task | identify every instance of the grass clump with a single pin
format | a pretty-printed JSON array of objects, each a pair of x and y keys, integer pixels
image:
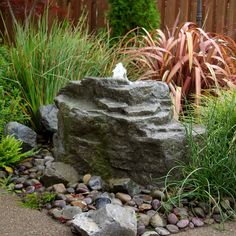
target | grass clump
[
  {"x": 210, "y": 173},
  {"x": 38, "y": 200},
  {"x": 44, "y": 59}
]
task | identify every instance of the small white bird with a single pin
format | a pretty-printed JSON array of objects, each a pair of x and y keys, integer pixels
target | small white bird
[{"x": 120, "y": 72}]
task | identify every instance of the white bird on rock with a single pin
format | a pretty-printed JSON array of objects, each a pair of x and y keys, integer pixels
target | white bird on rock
[{"x": 120, "y": 72}]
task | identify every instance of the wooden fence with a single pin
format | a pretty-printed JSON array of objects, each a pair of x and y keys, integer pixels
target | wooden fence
[{"x": 219, "y": 15}]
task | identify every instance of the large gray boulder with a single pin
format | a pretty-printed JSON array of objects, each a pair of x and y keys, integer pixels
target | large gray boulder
[
  {"x": 48, "y": 117},
  {"x": 23, "y": 133},
  {"x": 117, "y": 128},
  {"x": 111, "y": 220}
]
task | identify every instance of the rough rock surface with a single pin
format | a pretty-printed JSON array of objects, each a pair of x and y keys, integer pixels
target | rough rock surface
[
  {"x": 117, "y": 128},
  {"x": 22, "y": 133},
  {"x": 110, "y": 221},
  {"x": 59, "y": 172},
  {"x": 48, "y": 117}
]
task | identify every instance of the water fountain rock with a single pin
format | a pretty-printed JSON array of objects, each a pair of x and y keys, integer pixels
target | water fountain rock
[{"x": 117, "y": 128}]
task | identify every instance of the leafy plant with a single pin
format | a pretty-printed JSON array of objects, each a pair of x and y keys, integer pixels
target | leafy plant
[
  {"x": 10, "y": 152},
  {"x": 209, "y": 175},
  {"x": 45, "y": 61},
  {"x": 125, "y": 15},
  {"x": 188, "y": 59},
  {"x": 38, "y": 200}
]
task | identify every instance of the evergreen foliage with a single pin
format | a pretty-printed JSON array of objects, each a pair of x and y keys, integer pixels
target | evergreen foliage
[{"x": 125, "y": 15}]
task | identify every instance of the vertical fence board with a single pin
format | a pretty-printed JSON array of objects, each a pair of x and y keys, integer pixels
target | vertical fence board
[
  {"x": 232, "y": 19},
  {"x": 221, "y": 7},
  {"x": 184, "y": 10},
  {"x": 161, "y": 4},
  {"x": 209, "y": 15},
  {"x": 170, "y": 11}
]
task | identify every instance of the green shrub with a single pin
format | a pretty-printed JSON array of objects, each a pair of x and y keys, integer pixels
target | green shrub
[
  {"x": 210, "y": 173},
  {"x": 43, "y": 62},
  {"x": 10, "y": 152},
  {"x": 125, "y": 15}
]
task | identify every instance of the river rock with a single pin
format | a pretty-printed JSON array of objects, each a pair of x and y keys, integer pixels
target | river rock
[
  {"x": 95, "y": 183},
  {"x": 124, "y": 185},
  {"x": 118, "y": 128},
  {"x": 150, "y": 233},
  {"x": 172, "y": 228},
  {"x": 183, "y": 223},
  {"x": 197, "y": 222},
  {"x": 23, "y": 133},
  {"x": 172, "y": 218},
  {"x": 69, "y": 212},
  {"x": 48, "y": 117},
  {"x": 109, "y": 220},
  {"x": 162, "y": 231},
  {"x": 157, "y": 220},
  {"x": 59, "y": 172}
]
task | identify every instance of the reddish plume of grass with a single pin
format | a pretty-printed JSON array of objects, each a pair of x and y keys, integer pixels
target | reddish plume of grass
[{"x": 188, "y": 59}]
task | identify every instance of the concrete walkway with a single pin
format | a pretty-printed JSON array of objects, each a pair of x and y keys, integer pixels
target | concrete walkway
[{"x": 18, "y": 221}]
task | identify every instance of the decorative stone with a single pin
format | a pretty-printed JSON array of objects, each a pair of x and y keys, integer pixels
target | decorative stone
[
  {"x": 124, "y": 185},
  {"x": 143, "y": 219},
  {"x": 150, "y": 233},
  {"x": 30, "y": 189},
  {"x": 59, "y": 188},
  {"x": 56, "y": 213},
  {"x": 48, "y": 117},
  {"x": 86, "y": 178},
  {"x": 191, "y": 225},
  {"x": 162, "y": 231},
  {"x": 197, "y": 222},
  {"x": 109, "y": 220},
  {"x": 123, "y": 197},
  {"x": 95, "y": 183},
  {"x": 116, "y": 201},
  {"x": 59, "y": 172},
  {"x": 102, "y": 202},
  {"x": 23, "y": 133},
  {"x": 140, "y": 230},
  {"x": 82, "y": 188},
  {"x": 157, "y": 221},
  {"x": 79, "y": 203},
  {"x": 69, "y": 212},
  {"x": 145, "y": 207},
  {"x": 198, "y": 211},
  {"x": 156, "y": 204},
  {"x": 172, "y": 228},
  {"x": 18, "y": 186},
  {"x": 183, "y": 223},
  {"x": 172, "y": 219},
  {"x": 157, "y": 194},
  {"x": 181, "y": 212},
  {"x": 59, "y": 203},
  {"x": 95, "y": 113}
]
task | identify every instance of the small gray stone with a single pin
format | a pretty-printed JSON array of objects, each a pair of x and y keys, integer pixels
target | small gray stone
[
  {"x": 59, "y": 203},
  {"x": 172, "y": 228},
  {"x": 116, "y": 201},
  {"x": 48, "y": 158},
  {"x": 191, "y": 225},
  {"x": 123, "y": 197},
  {"x": 70, "y": 190},
  {"x": 81, "y": 188},
  {"x": 157, "y": 221},
  {"x": 18, "y": 186},
  {"x": 183, "y": 223},
  {"x": 56, "y": 213},
  {"x": 39, "y": 162},
  {"x": 30, "y": 189},
  {"x": 22, "y": 133},
  {"x": 124, "y": 185},
  {"x": 59, "y": 172},
  {"x": 140, "y": 230},
  {"x": 69, "y": 212},
  {"x": 48, "y": 117},
  {"x": 95, "y": 183},
  {"x": 198, "y": 211},
  {"x": 162, "y": 231},
  {"x": 143, "y": 219},
  {"x": 156, "y": 204},
  {"x": 197, "y": 222},
  {"x": 59, "y": 188},
  {"x": 150, "y": 233},
  {"x": 157, "y": 194},
  {"x": 172, "y": 219},
  {"x": 101, "y": 202}
]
